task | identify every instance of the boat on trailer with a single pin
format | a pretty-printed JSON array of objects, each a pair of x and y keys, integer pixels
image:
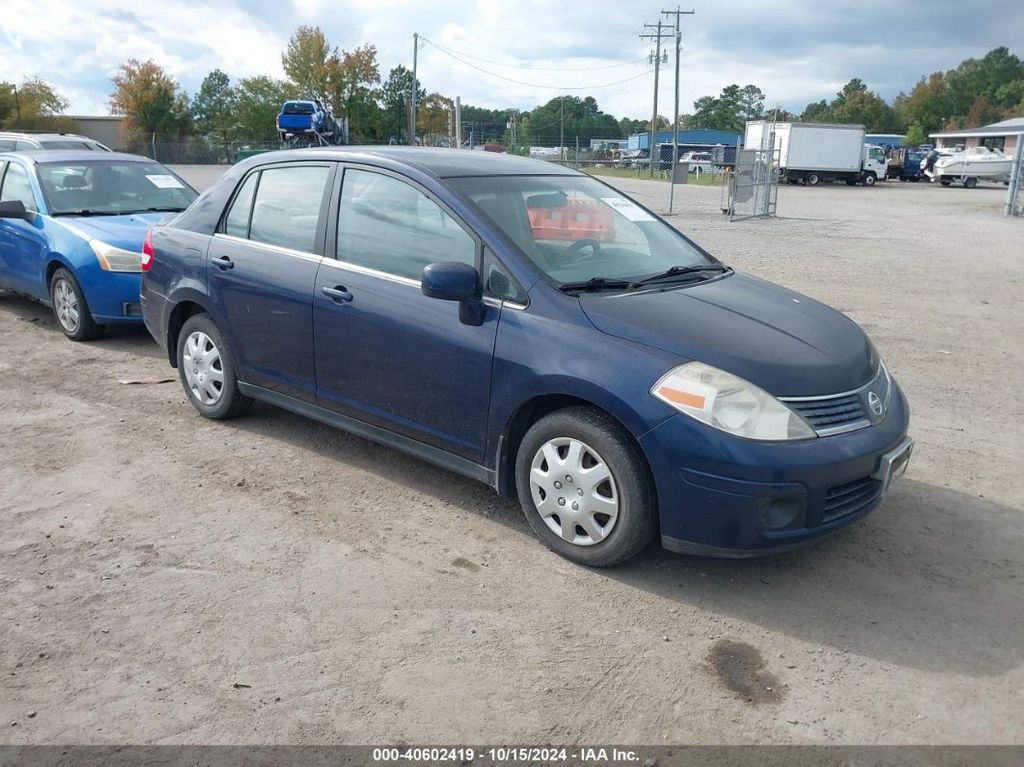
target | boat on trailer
[{"x": 978, "y": 162}]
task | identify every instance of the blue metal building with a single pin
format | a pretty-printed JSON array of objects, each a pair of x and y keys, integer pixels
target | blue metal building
[
  {"x": 884, "y": 139},
  {"x": 726, "y": 137}
]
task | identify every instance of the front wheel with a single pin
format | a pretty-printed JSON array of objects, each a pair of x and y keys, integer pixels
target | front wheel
[
  {"x": 870, "y": 179},
  {"x": 585, "y": 488},
  {"x": 207, "y": 370},
  {"x": 71, "y": 308}
]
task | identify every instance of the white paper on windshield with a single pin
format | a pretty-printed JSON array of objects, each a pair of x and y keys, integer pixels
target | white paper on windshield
[
  {"x": 165, "y": 182},
  {"x": 630, "y": 210}
]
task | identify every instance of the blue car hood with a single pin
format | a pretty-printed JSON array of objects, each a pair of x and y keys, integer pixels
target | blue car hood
[
  {"x": 126, "y": 232},
  {"x": 786, "y": 343}
]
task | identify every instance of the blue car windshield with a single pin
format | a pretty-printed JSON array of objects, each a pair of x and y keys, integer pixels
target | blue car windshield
[
  {"x": 111, "y": 187},
  {"x": 575, "y": 228}
]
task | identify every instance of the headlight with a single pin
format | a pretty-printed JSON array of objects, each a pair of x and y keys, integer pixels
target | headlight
[
  {"x": 116, "y": 259},
  {"x": 730, "y": 404}
]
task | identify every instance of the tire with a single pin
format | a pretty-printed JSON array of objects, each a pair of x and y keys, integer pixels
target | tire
[
  {"x": 616, "y": 508},
  {"x": 945, "y": 182},
  {"x": 812, "y": 179},
  {"x": 209, "y": 380},
  {"x": 71, "y": 309},
  {"x": 870, "y": 179},
  {"x": 851, "y": 182},
  {"x": 970, "y": 182}
]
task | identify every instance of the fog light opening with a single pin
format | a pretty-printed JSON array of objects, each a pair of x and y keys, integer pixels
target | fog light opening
[{"x": 783, "y": 514}]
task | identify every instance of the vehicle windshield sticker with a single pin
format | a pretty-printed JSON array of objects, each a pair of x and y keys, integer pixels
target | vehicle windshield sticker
[
  {"x": 165, "y": 182},
  {"x": 630, "y": 210}
]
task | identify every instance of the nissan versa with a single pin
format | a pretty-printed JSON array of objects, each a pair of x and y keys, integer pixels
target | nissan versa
[{"x": 530, "y": 327}]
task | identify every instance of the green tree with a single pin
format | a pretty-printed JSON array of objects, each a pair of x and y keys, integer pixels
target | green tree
[
  {"x": 394, "y": 96},
  {"x": 352, "y": 78},
  {"x": 581, "y": 117},
  {"x": 33, "y": 105},
  {"x": 153, "y": 105},
  {"x": 306, "y": 62},
  {"x": 257, "y": 103},
  {"x": 730, "y": 110},
  {"x": 213, "y": 106},
  {"x": 915, "y": 135}
]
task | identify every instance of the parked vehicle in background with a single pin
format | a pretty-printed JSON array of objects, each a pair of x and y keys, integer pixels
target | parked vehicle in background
[
  {"x": 810, "y": 153},
  {"x": 635, "y": 158},
  {"x": 969, "y": 166},
  {"x": 311, "y": 122},
  {"x": 905, "y": 163},
  {"x": 699, "y": 162},
  {"x": 72, "y": 225},
  {"x": 529, "y": 326},
  {"x": 29, "y": 142}
]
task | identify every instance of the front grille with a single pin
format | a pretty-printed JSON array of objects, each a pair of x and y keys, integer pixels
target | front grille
[
  {"x": 836, "y": 413},
  {"x": 850, "y": 497},
  {"x": 831, "y": 413}
]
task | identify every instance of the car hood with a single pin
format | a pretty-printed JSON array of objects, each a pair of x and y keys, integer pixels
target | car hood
[
  {"x": 126, "y": 231},
  {"x": 786, "y": 343}
]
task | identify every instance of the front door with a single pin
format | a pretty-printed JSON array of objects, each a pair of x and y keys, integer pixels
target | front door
[
  {"x": 262, "y": 270},
  {"x": 22, "y": 244},
  {"x": 385, "y": 353}
]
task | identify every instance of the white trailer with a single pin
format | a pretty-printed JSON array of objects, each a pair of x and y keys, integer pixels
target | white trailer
[{"x": 810, "y": 153}]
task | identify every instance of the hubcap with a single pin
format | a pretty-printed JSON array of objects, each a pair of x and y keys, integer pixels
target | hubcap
[
  {"x": 65, "y": 304},
  {"x": 204, "y": 371},
  {"x": 574, "y": 491}
]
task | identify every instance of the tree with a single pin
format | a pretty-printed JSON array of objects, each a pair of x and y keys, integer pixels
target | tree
[
  {"x": 855, "y": 104},
  {"x": 915, "y": 135},
  {"x": 394, "y": 95},
  {"x": 730, "y": 110},
  {"x": 213, "y": 106},
  {"x": 305, "y": 61},
  {"x": 150, "y": 100},
  {"x": 432, "y": 117},
  {"x": 580, "y": 117},
  {"x": 33, "y": 105},
  {"x": 257, "y": 103},
  {"x": 351, "y": 80}
]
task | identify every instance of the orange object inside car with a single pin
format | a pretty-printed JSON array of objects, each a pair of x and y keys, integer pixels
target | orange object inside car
[{"x": 576, "y": 220}]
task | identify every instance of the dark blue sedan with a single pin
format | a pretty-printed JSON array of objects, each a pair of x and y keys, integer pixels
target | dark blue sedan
[
  {"x": 72, "y": 225},
  {"x": 533, "y": 328}
]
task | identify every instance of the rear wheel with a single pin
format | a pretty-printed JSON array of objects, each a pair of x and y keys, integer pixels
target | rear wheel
[
  {"x": 812, "y": 179},
  {"x": 585, "y": 488},
  {"x": 970, "y": 182},
  {"x": 207, "y": 370},
  {"x": 71, "y": 308}
]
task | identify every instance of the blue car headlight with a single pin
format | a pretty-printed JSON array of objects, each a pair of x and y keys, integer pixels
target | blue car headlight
[
  {"x": 114, "y": 259},
  {"x": 730, "y": 404}
]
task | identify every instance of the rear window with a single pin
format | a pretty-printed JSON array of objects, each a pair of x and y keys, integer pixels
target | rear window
[
  {"x": 295, "y": 108},
  {"x": 70, "y": 144}
]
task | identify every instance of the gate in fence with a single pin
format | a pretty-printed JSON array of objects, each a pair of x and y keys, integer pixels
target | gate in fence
[
  {"x": 752, "y": 189},
  {"x": 1015, "y": 194}
]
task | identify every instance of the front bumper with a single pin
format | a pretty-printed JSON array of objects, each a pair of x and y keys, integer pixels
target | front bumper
[
  {"x": 723, "y": 496},
  {"x": 113, "y": 297}
]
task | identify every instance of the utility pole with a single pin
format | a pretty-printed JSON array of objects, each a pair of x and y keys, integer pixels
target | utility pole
[
  {"x": 657, "y": 37},
  {"x": 675, "y": 121},
  {"x": 458, "y": 122},
  {"x": 561, "y": 128},
  {"x": 412, "y": 99}
]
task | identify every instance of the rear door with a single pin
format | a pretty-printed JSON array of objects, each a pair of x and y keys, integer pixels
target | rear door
[
  {"x": 385, "y": 353},
  {"x": 262, "y": 270},
  {"x": 22, "y": 243}
]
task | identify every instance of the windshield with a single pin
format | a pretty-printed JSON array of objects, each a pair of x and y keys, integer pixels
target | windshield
[
  {"x": 575, "y": 228},
  {"x": 99, "y": 187}
]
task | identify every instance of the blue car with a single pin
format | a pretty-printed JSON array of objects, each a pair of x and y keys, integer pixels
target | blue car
[
  {"x": 531, "y": 327},
  {"x": 72, "y": 227}
]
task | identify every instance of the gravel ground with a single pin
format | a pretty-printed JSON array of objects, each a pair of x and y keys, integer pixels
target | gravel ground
[{"x": 166, "y": 579}]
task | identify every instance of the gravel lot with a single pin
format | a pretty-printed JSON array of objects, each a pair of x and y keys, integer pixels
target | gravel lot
[{"x": 166, "y": 579}]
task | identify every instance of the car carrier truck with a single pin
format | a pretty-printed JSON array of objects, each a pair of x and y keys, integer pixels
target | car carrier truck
[{"x": 810, "y": 153}]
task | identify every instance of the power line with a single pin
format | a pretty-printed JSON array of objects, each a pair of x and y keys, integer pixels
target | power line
[
  {"x": 528, "y": 66},
  {"x": 562, "y": 88}
]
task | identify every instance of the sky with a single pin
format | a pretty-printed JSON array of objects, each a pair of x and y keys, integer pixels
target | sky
[{"x": 796, "y": 51}]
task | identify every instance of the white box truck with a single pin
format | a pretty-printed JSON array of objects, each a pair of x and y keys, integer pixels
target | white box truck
[{"x": 809, "y": 153}]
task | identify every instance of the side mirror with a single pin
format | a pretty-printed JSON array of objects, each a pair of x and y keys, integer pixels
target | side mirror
[
  {"x": 455, "y": 281},
  {"x": 15, "y": 209}
]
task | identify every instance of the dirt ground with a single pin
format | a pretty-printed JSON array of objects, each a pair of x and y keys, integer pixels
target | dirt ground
[{"x": 167, "y": 579}]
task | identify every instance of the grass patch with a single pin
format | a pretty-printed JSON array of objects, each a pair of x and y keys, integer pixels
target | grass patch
[{"x": 641, "y": 174}]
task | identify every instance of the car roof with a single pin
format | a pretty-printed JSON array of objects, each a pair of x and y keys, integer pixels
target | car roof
[
  {"x": 75, "y": 155},
  {"x": 442, "y": 163}
]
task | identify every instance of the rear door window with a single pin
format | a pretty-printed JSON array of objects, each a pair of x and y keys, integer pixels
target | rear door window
[
  {"x": 237, "y": 221},
  {"x": 286, "y": 208},
  {"x": 388, "y": 225}
]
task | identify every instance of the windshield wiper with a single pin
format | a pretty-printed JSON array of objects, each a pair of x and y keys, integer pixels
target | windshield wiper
[
  {"x": 597, "y": 283},
  {"x": 166, "y": 209},
  {"x": 680, "y": 271},
  {"x": 88, "y": 212}
]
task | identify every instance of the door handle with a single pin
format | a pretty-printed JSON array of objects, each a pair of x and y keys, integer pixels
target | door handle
[
  {"x": 223, "y": 262},
  {"x": 338, "y": 294}
]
